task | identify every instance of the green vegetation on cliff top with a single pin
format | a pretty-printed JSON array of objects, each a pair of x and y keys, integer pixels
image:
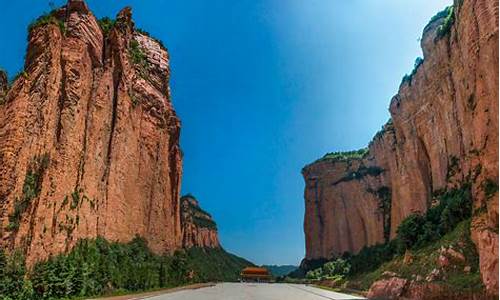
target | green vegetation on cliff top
[
  {"x": 47, "y": 18},
  {"x": 343, "y": 155}
]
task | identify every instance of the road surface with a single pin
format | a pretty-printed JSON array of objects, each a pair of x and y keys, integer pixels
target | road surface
[{"x": 255, "y": 291}]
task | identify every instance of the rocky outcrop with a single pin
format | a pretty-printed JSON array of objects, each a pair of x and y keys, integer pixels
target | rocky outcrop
[
  {"x": 89, "y": 140},
  {"x": 198, "y": 227},
  {"x": 443, "y": 133},
  {"x": 348, "y": 200},
  {"x": 391, "y": 288},
  {"x": 398, "y": 288}
]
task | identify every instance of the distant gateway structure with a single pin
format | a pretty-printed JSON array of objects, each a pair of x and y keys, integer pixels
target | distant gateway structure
[{"x": 255, "y": 274}]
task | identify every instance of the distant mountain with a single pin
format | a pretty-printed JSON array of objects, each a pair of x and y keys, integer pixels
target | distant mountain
[{"x": 280, "y": 270}]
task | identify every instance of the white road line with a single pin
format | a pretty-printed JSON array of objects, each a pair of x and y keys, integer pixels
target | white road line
[{"x": 323, "y": 296}]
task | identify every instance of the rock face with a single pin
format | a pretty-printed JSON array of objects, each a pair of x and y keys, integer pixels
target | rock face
[
  {"x": 198, "y": 228},
  {"x": 443, "y": 132},
  {"x": 387, "y": 289},
  {"x": 346, "y": 201},
  {"x": 398, "y": 288},
  {"x": 89, "y": 140}
]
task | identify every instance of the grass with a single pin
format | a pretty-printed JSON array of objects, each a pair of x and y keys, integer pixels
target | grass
[{"x": 425, "y": 260}]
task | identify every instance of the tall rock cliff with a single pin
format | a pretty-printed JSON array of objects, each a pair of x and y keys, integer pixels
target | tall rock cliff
[
  {"x": 89, "y": 140},
  {"x": 443, "y": 133},
  {"x": 198, "y": 227}
]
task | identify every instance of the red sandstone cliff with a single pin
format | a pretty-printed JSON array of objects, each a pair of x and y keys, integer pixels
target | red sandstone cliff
[
  {"x": 89, "y": 140},
  {"x": 198, "y": 227},
  {"x": 444, "y": 132}
]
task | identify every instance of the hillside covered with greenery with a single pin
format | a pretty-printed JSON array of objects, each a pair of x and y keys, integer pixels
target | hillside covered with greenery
[{"x": 422, "y": 239}]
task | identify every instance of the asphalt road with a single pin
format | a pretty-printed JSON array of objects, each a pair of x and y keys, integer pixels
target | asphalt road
[{"x": 255, "y": 291}]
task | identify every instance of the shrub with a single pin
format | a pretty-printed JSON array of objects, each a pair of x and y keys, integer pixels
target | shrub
[
  {"x": 336, "y": 267},
  {"x": 408, "y": 77},
  {"x": 346, "y": 155},
  {"x": 21, "y": 73},
  {"x": 138, "y": 58},
  {"x": 361, "y": 172},
  {"x": 457, "y": 206},
  {"x": 31, "y": 189},
  {"x": 448, "y": 21},
  {"x": 12, "y": 273},
  {"x": 454, "y": 206},
  {"x": 490, "y": 187},
  {"x": 144, "y": 32},
  {"x": 386, "y": 127},
  {"x": 47, "y": 18},
  {"x": 384, "y": 206},
  {"x": 453, "y": 166},
  {"x": 95, "y": 267},
  {"x": 410, "y": 229},
  {"x": 315, "y": 274},
  {"x": 106, "y": 25},
  {"x": 418, "y": 230},
  {"x": 75, "y": 199}
]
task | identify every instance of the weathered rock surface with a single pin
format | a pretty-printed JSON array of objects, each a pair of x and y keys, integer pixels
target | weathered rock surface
[
  {"x": 398, "y": 288},
  {"x": 391, "y": 288},
  {"x": 444, "y": 132},
  {"x": 198, "y": 227},
  {"x": 89, "y": 140},
  {"x": 344, "y": 202}
]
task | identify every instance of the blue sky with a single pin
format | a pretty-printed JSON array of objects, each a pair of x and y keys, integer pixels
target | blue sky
[{"x": 264, "y": 87}]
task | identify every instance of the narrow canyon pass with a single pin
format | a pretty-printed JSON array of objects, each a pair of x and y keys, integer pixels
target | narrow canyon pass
[
  {"x": 442, "y": 135},
  {"x": 89, "y": 141}
]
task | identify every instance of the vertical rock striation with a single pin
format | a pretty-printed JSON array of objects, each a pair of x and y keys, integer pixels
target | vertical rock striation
[
  {"x": 347, "y": 200},
  {"x": 198, "y": 227},
  {"x": 443, "y": 133},
  {"x": 89, "y": 140}
]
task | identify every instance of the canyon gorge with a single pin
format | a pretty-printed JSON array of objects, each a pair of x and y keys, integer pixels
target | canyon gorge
[{"x": 443, "y": 134}]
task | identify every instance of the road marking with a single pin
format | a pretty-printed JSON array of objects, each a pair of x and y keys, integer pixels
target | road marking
[{"x": 319, "y": 295}]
